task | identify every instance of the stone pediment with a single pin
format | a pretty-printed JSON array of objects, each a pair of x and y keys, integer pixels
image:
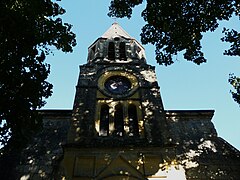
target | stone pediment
[{"x": 119, "y": 168}]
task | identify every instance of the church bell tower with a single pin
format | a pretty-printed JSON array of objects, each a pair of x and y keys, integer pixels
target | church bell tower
[
  {"x": 118, "y": 115},
  {"x": 120, "y": 131},
  {"x": 118, "y": 128}
]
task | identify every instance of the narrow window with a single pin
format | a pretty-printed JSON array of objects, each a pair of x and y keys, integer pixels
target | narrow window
[
  {"x": 133, "y": 120},
  {"x": 104, "y": 120},
  {"x": 111, "y": 51},
  {"x": 122, "y": 51},
  {"x": 94, "y": 48},
  {"x": 118, "y": 120}
]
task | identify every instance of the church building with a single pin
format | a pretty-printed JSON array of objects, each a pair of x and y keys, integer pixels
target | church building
[{"x": 118, "y": 128}]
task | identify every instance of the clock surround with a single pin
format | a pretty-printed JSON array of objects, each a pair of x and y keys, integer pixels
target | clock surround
[{"x": 117, "y": 84}]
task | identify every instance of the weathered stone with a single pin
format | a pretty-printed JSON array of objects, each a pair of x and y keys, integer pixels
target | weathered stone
[{"x": 99, "y": 140}]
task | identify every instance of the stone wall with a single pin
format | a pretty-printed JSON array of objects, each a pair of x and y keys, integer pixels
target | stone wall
[
  {"x": 42, "y": 156},
  {"x": 203, "y": 154},
  {"x": 189, "y": 125},
  {"x": 198, "y": 149}
]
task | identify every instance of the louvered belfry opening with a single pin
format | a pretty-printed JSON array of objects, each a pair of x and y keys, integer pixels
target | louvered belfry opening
[
  {"x": 122, "y": 51},
  {"x": 133, "y": 121},
  {"x": 104, "y": 120},
  {"x": 111, "y": 51},
  {"x": 118, "y": 120}
]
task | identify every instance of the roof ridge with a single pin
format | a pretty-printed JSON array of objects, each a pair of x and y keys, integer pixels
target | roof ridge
[{"x": 116, "y": 31}]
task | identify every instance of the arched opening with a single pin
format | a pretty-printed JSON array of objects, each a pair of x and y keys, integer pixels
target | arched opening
[
  {"x": 104, "y": 120},
  {"x": 118, "y": 120},
  {"x": 133, "y": 120},
  {"x": 111, "y": 51},
  {"x": 94, "y": 48},
  {"x": 122, "y": 51}
]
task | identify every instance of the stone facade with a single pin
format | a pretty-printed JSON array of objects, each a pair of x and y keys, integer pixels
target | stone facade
[
  {"x": 42, "y": 156},
  {"x": 203, "y": 154},
  {"x": 118, "y": 128}
]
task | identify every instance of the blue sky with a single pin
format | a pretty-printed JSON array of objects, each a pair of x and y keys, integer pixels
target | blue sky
[{"x": 183, "y": 85}]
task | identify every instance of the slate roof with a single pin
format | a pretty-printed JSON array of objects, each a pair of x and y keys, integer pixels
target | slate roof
[{"x": 116, "y": 31}]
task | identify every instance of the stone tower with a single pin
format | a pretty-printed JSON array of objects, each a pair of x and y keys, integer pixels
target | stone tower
[
  {"x": 119, "y": 130},
  {"x": 118, "y": 115}
]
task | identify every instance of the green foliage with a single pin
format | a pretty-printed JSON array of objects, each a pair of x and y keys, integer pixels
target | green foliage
[
  {"x": 27, "y": 31},
  {"x": 235, "y": 82},
  {"x": 175, "y": 26},
  {"x": 122, "y": 8},
  {"x": 234, "y": 38}
]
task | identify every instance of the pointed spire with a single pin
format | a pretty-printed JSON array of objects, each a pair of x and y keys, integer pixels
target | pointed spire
[{"x": 116, "y": 31}]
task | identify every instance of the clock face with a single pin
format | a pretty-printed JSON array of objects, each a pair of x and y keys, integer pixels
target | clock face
[{"x": 118, "y": 85}]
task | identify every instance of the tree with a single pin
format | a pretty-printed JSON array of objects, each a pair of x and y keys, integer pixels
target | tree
[
  {"x": 235, "y": 82},
  {"x": 177, "y": 25},
  {"x": 28, "y": 29},
  {"x": 233, "y": 37}
]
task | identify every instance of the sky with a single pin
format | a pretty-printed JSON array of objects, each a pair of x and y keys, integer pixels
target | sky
[{"x": 183, "y": 85}]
